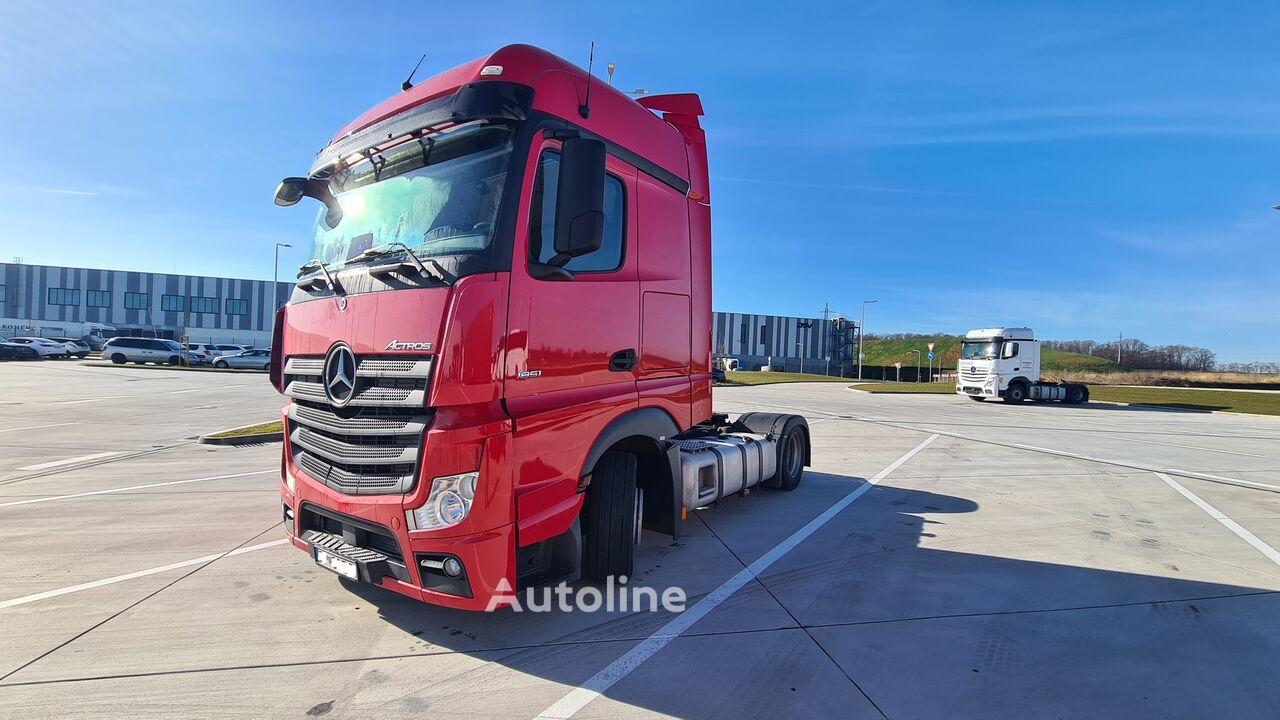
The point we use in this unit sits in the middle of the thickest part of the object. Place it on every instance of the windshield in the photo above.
(981, 350)
(438, 195)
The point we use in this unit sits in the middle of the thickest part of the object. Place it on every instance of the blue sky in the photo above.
(1083, 168)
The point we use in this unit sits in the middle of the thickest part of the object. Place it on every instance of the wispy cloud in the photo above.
(65, 191)
(831, 186)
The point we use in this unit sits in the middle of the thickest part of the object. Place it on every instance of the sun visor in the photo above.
(492, 100)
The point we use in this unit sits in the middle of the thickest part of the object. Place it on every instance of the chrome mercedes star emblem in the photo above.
(340, 375)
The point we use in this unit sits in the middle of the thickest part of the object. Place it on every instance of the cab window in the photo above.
(543, 216)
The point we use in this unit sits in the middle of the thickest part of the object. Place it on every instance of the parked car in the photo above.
(44, 347)
(212, 351)
(16, 351)
(250, 359)
(75, 346)
(140, 351)
(194, 358)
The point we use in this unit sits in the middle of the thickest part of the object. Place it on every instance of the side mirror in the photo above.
(292, 189)
(579, 199)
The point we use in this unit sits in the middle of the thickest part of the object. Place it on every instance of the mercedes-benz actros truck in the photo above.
(1005, 363)
(498, 359)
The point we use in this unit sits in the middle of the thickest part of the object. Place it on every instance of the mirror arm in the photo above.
(543, 271)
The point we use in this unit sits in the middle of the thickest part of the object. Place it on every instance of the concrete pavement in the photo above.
(1028, 562)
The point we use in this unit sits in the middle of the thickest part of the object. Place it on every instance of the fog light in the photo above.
(452, 567)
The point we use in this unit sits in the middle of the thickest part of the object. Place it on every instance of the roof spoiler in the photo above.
(675, 103)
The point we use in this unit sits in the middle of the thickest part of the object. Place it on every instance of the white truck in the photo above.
(1005, 363)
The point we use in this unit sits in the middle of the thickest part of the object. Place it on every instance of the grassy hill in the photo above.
(947, 347)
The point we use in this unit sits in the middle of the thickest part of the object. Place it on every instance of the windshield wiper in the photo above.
(311, 281)
(387, 249)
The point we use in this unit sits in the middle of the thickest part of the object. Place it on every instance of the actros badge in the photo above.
(397, 345)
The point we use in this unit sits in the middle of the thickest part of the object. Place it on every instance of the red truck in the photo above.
(498, 360)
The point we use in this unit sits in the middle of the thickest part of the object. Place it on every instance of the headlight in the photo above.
(290, 482)
(448, 503)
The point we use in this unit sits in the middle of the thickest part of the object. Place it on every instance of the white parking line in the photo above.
(580, 696)
(1186, 447)
(1234, 481)
(1272, 554)
(69, 461)
(89, 400)
(179, 392)
(37, 427)
(133, 575)
(134, 487)
(1050, 451)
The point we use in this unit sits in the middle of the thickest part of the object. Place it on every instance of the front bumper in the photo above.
(385, 555)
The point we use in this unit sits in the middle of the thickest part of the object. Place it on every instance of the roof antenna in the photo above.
(408, 82)
(585, 108)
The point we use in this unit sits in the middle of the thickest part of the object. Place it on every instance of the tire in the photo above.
(266, 367)
(977, 398)
(221, 364)
(609, 528)
(791, 456)
(1016, 393)
(117, 359)
(1077, 394)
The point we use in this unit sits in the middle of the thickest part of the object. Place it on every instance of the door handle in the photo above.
(623, 360)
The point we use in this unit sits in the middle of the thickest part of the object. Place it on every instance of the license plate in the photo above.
(342, 566)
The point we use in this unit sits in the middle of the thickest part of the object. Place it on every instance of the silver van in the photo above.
(121, 350)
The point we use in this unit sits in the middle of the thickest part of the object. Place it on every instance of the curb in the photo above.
(213, 439)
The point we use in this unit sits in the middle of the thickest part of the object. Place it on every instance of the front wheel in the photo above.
(1016, 393)
(221, 364)
(613, 513)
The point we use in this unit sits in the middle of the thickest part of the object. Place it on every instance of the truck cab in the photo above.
(1005, 363)
(992, 358)
(498, 359)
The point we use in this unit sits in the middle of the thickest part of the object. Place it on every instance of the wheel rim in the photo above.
(793, 454)
(639, 513)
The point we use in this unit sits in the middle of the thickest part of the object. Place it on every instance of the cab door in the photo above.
(573, 345)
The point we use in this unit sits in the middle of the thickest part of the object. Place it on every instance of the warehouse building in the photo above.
(63, 301)
(782, 342)
(59, 301)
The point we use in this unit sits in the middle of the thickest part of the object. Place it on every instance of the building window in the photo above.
(204, 305)
(173, 303)
(64, 296)
(743, 335)
(138, 301)
(4, 293)
(98, 298)
(237, 307)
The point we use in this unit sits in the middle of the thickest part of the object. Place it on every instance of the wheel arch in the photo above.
(641, 432)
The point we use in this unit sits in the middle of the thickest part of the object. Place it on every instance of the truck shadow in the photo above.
(869, 566)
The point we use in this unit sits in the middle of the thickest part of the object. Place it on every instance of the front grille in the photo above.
(373, 445)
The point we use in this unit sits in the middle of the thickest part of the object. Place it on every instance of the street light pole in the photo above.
(862, 331)
(800, 353)
(275, 286)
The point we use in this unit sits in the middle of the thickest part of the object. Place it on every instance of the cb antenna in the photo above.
(585, 108)
(408, 82)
